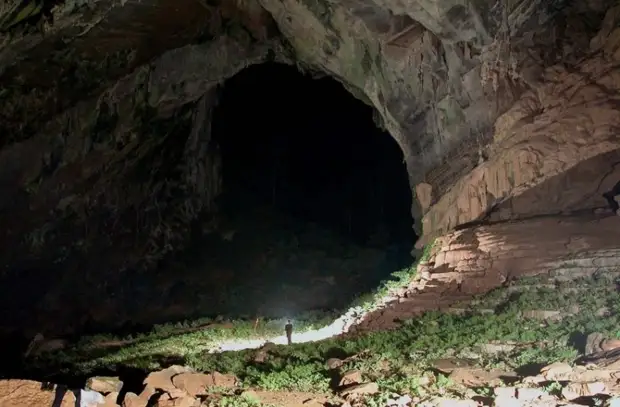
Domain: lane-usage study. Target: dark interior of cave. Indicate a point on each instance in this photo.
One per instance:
(316, 205)
(309, 149)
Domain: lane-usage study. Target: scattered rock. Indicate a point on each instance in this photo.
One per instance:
(506, 397)
(360, 389)
(582, 374)
(334, 363)
(90, 398)
(576, 390)
(593, 343)
(183, 401)
(198, 384)
(556, 371)
(226, 381)
(350, 377)
(610, 344)
(195, 384)
(180, 386)
(23, 393)
(104, 384)
(162, 380)
(597, 342)
(609, 359)
(505, 392)
(531, 394)
(501, 401)
(133, 400)
(477, 377)
(110, 400)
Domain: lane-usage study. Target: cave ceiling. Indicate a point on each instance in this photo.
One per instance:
(414, 61)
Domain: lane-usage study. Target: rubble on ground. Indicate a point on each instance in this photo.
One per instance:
(594, 379)
(176, 386)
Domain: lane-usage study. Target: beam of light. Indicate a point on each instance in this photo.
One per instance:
(340, 326)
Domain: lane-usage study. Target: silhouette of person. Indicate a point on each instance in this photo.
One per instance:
(289, 332)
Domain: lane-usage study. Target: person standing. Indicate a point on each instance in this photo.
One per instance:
(288, 328)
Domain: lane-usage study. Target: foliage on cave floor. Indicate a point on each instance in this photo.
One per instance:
(173, 341)
(402, 361)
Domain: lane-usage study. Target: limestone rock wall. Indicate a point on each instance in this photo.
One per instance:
(476, 260)
(480, 258)
(556, 150)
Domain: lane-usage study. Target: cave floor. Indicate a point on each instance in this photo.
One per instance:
(460, 348)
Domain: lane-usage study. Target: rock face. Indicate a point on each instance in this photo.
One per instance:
(470, 262)
(554, 151)
(503, 112)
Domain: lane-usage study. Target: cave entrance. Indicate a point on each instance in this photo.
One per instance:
(316, 202)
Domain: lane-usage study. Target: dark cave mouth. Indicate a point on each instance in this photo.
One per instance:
(316, 203)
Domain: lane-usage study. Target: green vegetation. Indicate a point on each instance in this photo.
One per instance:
(399, 279)
(185, 339)
(399, 361)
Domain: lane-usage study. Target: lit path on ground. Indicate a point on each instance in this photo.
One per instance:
(341, 325)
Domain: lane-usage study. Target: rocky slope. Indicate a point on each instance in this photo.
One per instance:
(474, 261)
